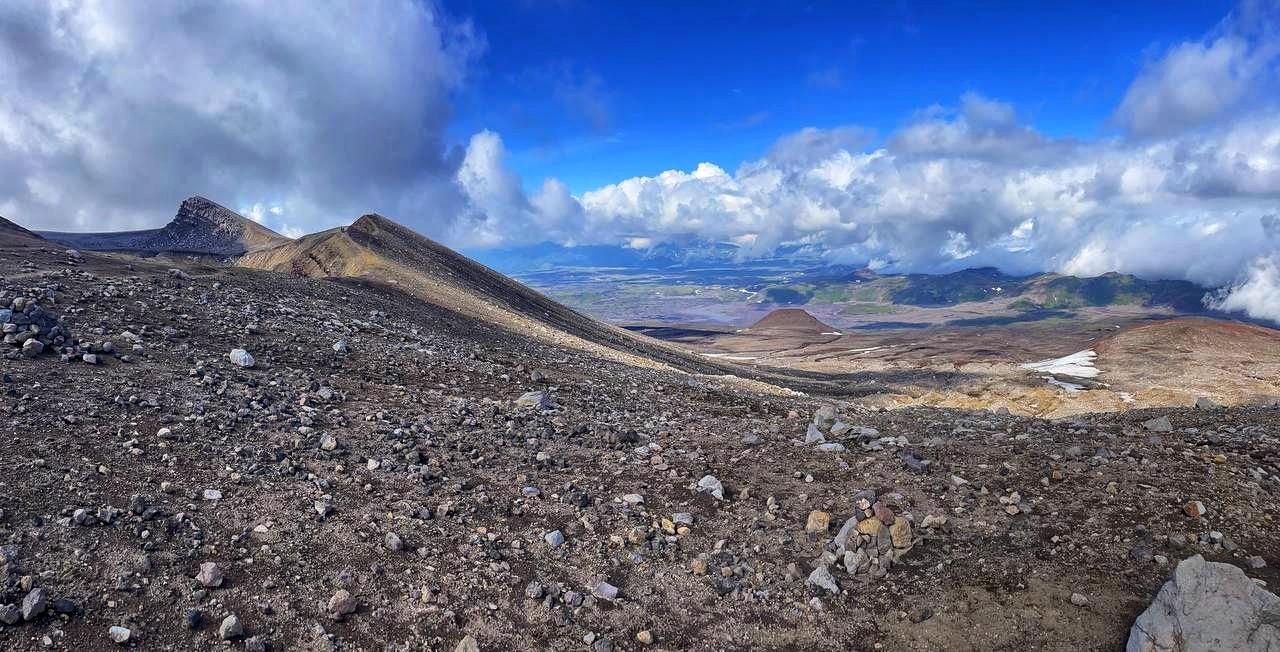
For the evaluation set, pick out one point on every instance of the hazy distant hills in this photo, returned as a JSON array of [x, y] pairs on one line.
[[1037, 292]]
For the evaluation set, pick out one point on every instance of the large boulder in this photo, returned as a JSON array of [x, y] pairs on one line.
[[1208, 606]]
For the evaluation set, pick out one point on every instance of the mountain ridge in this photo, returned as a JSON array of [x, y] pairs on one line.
[[201, 226]]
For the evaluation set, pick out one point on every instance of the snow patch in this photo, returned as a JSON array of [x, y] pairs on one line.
[[1078, 364]]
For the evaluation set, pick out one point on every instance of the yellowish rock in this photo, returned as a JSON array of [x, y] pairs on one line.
[[900, 532], [869, 526], [818, 522]]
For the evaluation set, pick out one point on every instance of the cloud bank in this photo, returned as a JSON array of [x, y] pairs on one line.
[[113, 112], [305, 114]]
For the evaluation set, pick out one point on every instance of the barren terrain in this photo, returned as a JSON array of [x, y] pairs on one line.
[[380, 478]]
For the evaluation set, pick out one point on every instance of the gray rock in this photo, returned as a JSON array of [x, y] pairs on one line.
[[554, 538], [824, 417], [230, 628], [89, 358], [813, 436], [210, 576], [1208, 606], [711, 485], [32, 348], [823, 579], [212, 494], [342, 603], [241, 358], [10, 614], [255, 644], [832, 447], [1206, 403], [538, 400], [119, 634], [392, 542], [605, 591], [1158, 424], [34, 604], [341, 347]]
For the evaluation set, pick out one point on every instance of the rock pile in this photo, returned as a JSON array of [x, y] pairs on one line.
[[872, 539], [28, 327]]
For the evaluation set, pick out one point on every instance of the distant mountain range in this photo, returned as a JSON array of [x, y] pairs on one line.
[[1036, 292]]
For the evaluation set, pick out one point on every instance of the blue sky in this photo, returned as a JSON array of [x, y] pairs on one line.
[[590, 93], [1137, 137]]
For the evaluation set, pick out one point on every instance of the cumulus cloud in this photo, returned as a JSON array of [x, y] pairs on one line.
[[1196, 82], [1257, 294], [113, 112]]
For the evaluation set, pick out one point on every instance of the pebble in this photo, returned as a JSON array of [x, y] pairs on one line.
[[392, 542], [241, 358], [554, 538], [212, 494], [1194, 509], [119, 634], [1079, 600], [645, 637]]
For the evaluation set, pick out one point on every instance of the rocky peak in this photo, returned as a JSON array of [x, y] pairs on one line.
[[200, 214]]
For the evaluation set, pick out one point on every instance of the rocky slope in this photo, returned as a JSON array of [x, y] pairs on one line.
[[390, 474], [200, 227]]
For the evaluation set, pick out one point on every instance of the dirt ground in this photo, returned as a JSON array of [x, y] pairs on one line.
[[106, 472]]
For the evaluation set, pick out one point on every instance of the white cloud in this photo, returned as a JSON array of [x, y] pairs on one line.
[[1193, 83], [1257, 293], [113, 112]]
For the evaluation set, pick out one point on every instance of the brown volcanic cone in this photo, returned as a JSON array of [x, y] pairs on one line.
[[791, 319]]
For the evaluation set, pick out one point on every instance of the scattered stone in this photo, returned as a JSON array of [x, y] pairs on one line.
[[342, 603], [230, 628], [241, 358], [709, 484], [210, 576], [605, 591], [823, 579], [392, 542], [1158, 424], [119, 634], [537, 400], [554, 538], [1194, 509], [212, 494], [34, 604], [1079, 600], [1206, 403], [645, 637]]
